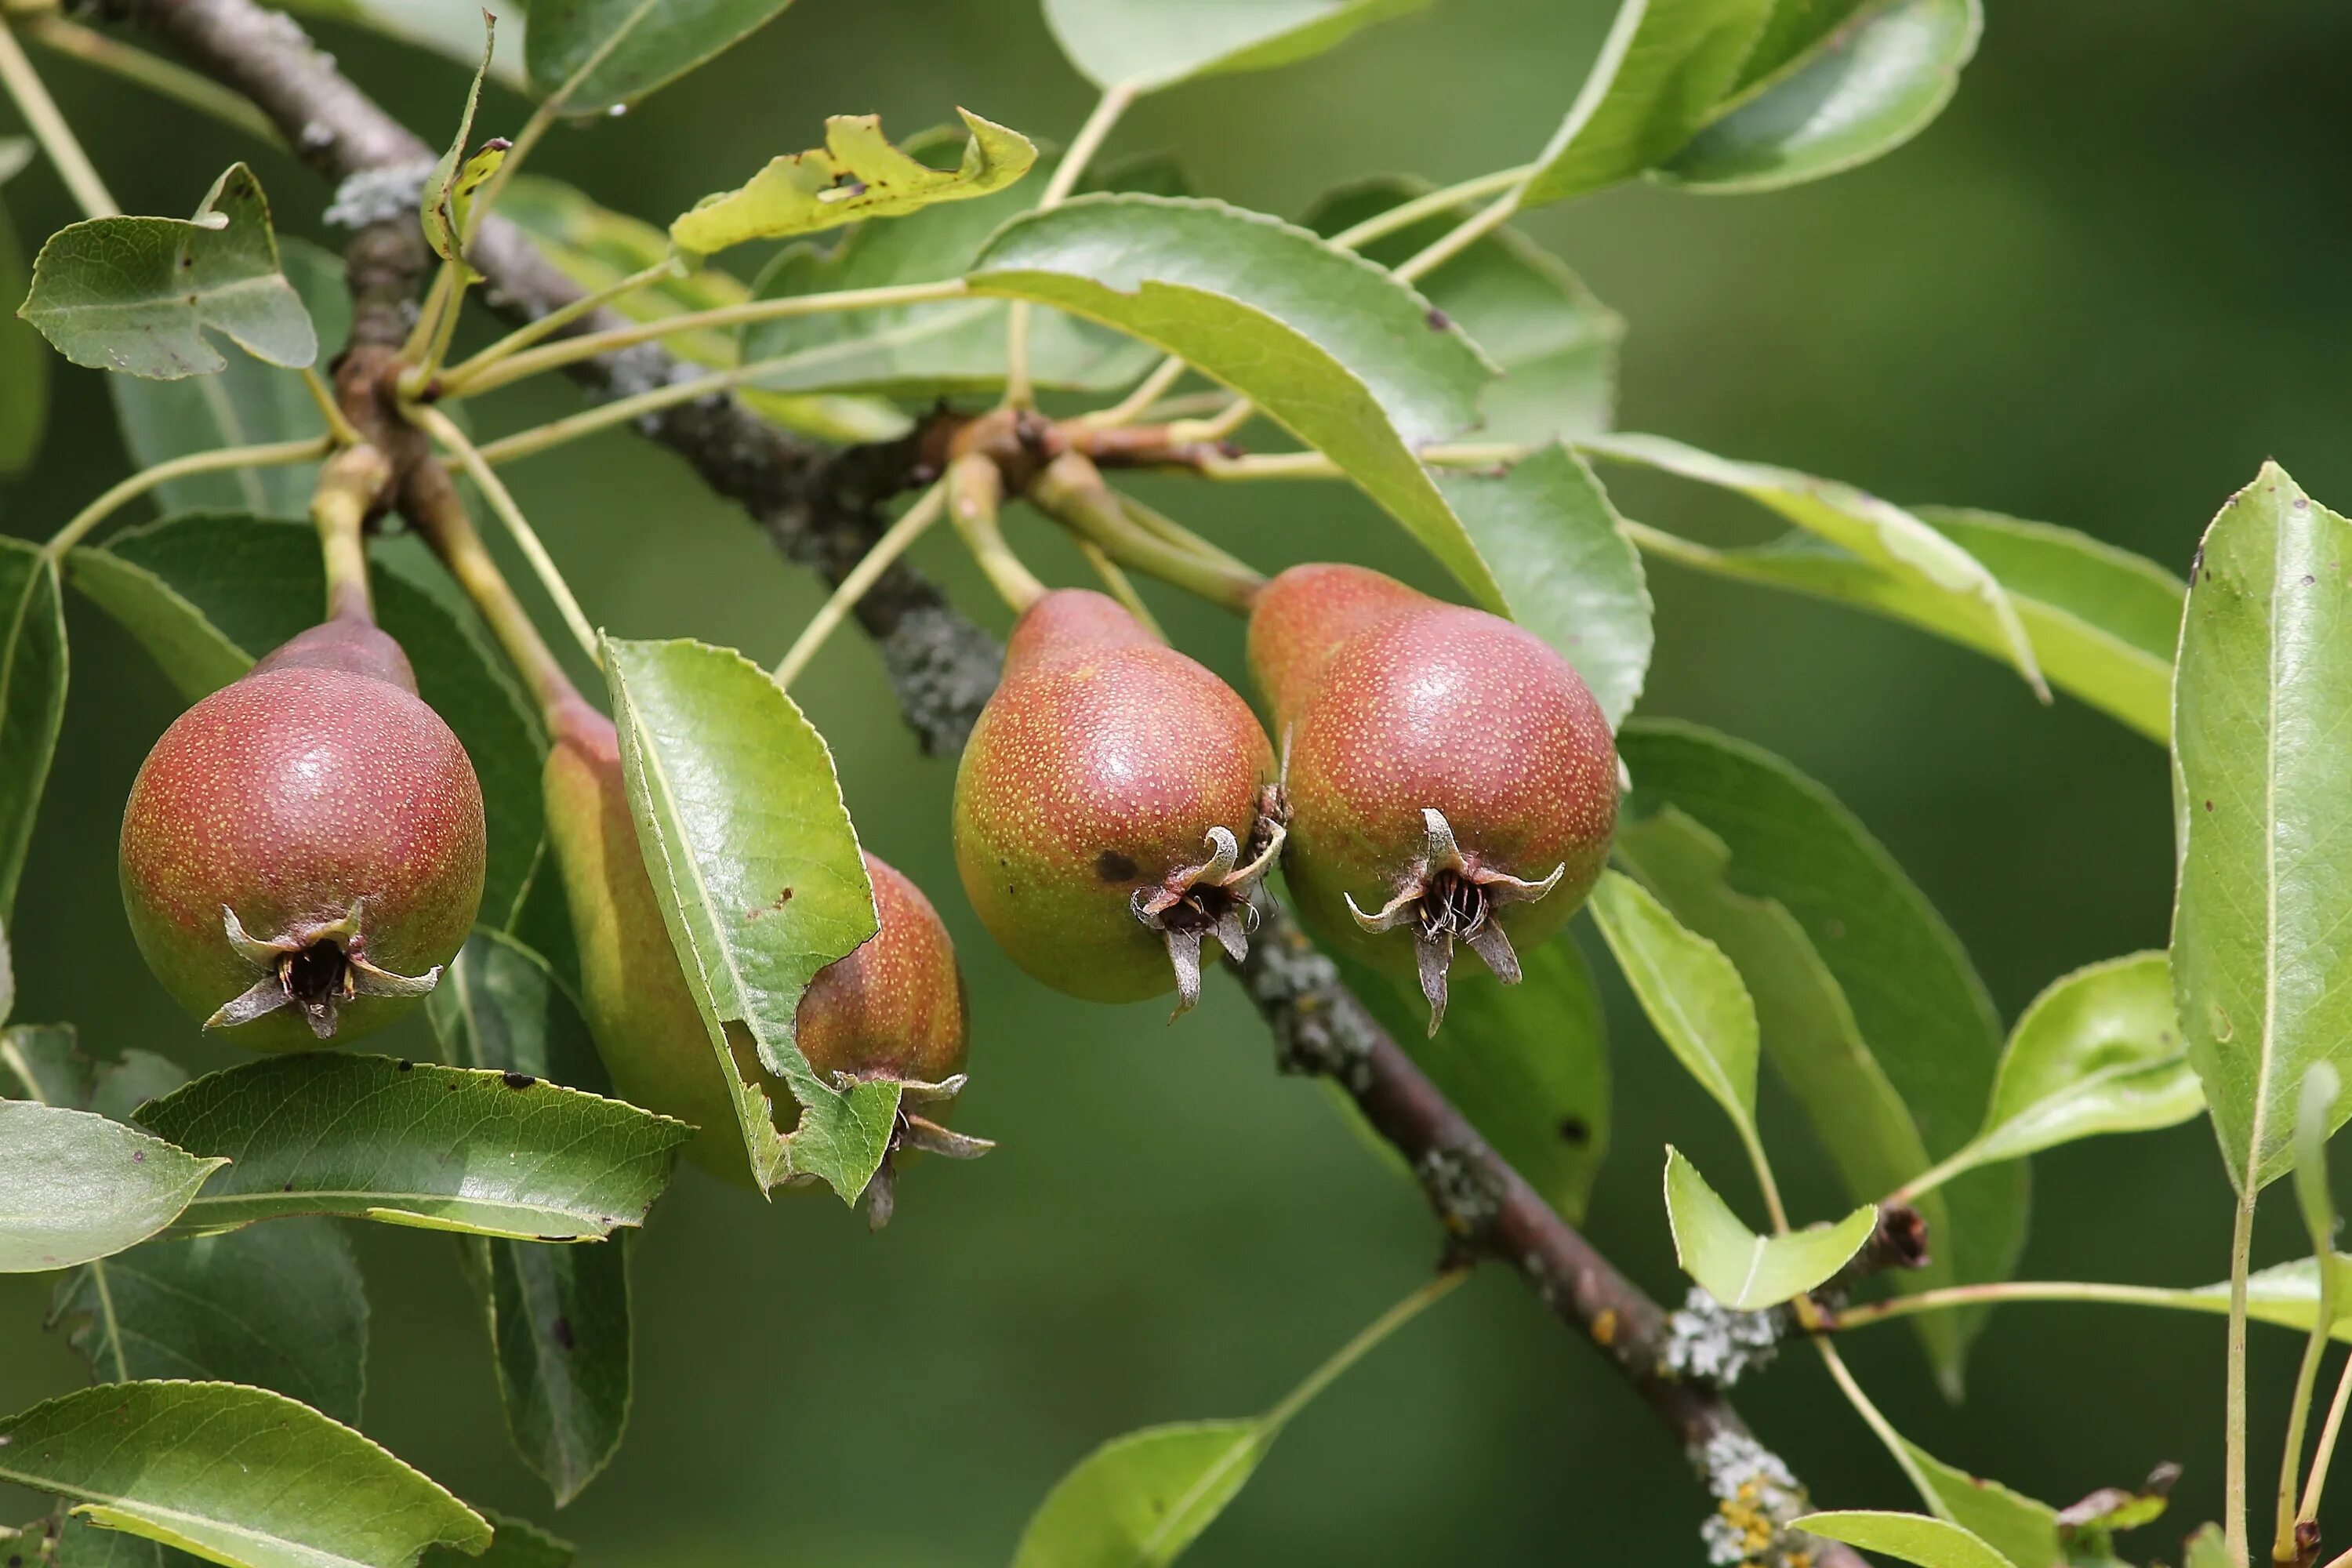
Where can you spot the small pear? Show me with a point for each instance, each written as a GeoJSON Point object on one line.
{"type": "Point", "coordinates": [1111, 806]}
{"type": "Point", "coordinates": [1449, 776]}
{"type": "Point", "coordinates": [303, 851]}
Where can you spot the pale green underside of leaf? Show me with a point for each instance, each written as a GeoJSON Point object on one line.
{"type": "Point", "coordinates": [1528, 1064]}
{"type": "Point", "coordinates": [206, 595]}
{"type": "Point", "coordinates": [2023, 1531]}
{"type": "Point", "coordinates": [1692, 992]}
{"type": "Point", "coordinates": [238, 1476]}
{"type": "Point", "coordinates": [1870, 1010]}
{"type": "Point", "coordinates": [2097, 1052]}
{"type": "Point", "coordinates": [247, 404]}
{"type": "Point", "coordinates": [1330, 346]}
{"type": "Point", "coordinates": [756, 869]}
{"type": "Point", "coordinates": [2262, 976]}
{"type": "Point", "coordinates": [137, 294]}
{"type": "Point", "coordinates": [1745, 1271]}
{"type": "Point", "coordinates": [651, 42]}
{"type": "Point", "coordinates": [1145, 44]}
{"type": "Point", "coordinates": [412, 1143]}
{"type": "Point", "coordinates": [1877, 531]}
{"type": "Point", "coordinates": [33, 668]}
{"type": "Point", "coordinates": [1139, 1499]}
{"type": "Point", "coordinates": [1869, 87]}
{"type": "Point", "coordinates": [75, 1186]}
{"type": "Point", "coordinates": [1664, 68]}
{"type": "Point", "coordinates": [1907, 1537]}
{"type": "Point", "coordinates": [2103, 621]}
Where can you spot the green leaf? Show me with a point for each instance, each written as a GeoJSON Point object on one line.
{"type": "Point", "coordinates": [1139, 1499]}
{"type": "Point", "coordinates": [237, 1475]}
{"type": "Point", "coordinates": [1662, 69]}
{"type": "Point", "coordinates": [1870, 87]}
{"type": "Point", "coordinates": [1528, 1064]}
{"type": "Point", "coordinates": [1548, 530]}
{"type": "Point", "coordinates": [2012, 1524]}
{"type": "Point", "coordinates": [559, 1316]}
{"type": "Point", "coordinates": [1692, 992]}
{"type": "Point", "coordinates": [41, 1062]}
{"type": "Point", "coordinates": [596, 247]}
{"type": "Point", "coordinates": [2263, 822]}
{"type": "Point", "coordinates": [207, 595]}
{"type": "Point", "coordinates": [857, 176]}
{"type": "Point", "coordinates": [1554, 342]}
{"type": "Point", "coordinates": [359, 1137]}
{"type": "Point", "coordinates": [1878, 532]}
{"type": "Point", "coordinates": [276, 1306]}
{"type": "Point", "coordinates": [1145, 44]}
{"type": "Point", "coordinates": [1330, 346]}
{"type": "Point", "coordinates": [75, 1186]}
{"type": "Point", "coordinates": [448, 190]}
{"type": "Point", "coordinates": [1870, 1010]}
{"type": "Point", "coordinates": [1745, 1271]}
{"type": "Point", "coordinates": [1908, 1537]}
{"type": "Point", "coordinates": [925, 352]}
{"type": "Point", "coordinates": [136, 294]}
{"type": "Point", "coordinates": [518, 1544]}
{"type": "Point", "coordinates": [24, 362]}
{"type": "Point", "coordinates": [2209, 1548]}
{"type": "Point", "coordinates": [247, 404]}
{"type": "Point", "coordinates": [32, 699]}
{"type": "Point", "coordinates": [756, 867]}
{"type": "Point", "coordinates": [643, 43]}
{"type": "Point", "coordinates": [2286, 1294]}
{"type": "Point", "coordinates": [2103, 621]}
{"type": "Point", "coordinates": [2096, 1052]}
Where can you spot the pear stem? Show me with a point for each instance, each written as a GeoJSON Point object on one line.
{"type": "Point", "coordinates": [433, 505]}
{"type": "Point", "coordinates": [975, 493]}
{"type": "Point", "coordinates": [1071, 490]}
{"type": "Point", "coordinates": [349, 485]}
{"type": "Point", "coordinates": [273, 454]}
{"type": "Point", "coordinates": [1120, 586]}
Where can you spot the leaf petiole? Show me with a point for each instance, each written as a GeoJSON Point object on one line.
{"type": "Point", "coordinates": [911, 525]}
{"type": "Point", "coordinates": [524, 336]}
{"type": "Point", "coordinates": [270, 454]}
{"type": "Point", "coordinates": [152, 72]}
{"type": "Point", "coordinates": [1018, 392]}
{"type": "Point", "coordinates": [48, 124]}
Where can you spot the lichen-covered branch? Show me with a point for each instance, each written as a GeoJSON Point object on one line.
{"type": "Point", "coordinates": [823, 508]}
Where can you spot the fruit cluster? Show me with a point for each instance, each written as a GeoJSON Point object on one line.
{"type": "Point", "coordinates": [302, 852]}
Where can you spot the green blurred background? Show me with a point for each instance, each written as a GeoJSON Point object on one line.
{"type": "Point", "coordinates": [2099, 292]}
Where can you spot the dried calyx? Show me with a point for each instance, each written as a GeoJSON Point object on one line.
{"type": "Point", "coordinates": [313, 968]}
{"type": "Point", "coordinates": [1447, 895]}
{"type": "Point", "coordinates": [1214, 899]}
{"type": "Point", "coordinates": [914, 1133]}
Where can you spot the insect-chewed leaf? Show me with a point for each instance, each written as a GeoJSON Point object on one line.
{"type": "Point", "coordinates": [279, 1307]}
{"type": "Point", "coordinates": [1328, 345]}
{"type": "Point", "coordinates": [858, 175]}
{"type": "Point", "coordinates": [2264, 824]}
{"type": "Point", "coordinates": [1907, 1537]}
{"type": "Point", "coordinates": [628, 47]}
{"type": "Point", "coordinates": [448, 190]}
{"type": "Point", "coordinates": [1692, 992]}
{"type": "Point", "coordinates": [1877, 530]}
{"type": "Point", "coordinates": [1870, 1010]}
{"type": "Point", "coordinates": [137, 294]}
{"type": "Point", "coordinates": [239, 1475]}
{"type": "Point", "coordinates": [208, 593]}
{"type": "Point", "coordinates": [32, 699]}
{"type": "Point", "coordinates": [75, 1186]}
{"type": "Point", "coordinates": [485, 1154]}
{"type": "Point", "coordinates": [1143, 45]}
{"type": "Point", "coordinates": [1836, 88]}
{"type": "Point", "coordinates": [1745, 1271]}
{"type": "Point", "coordinates": [2103, 621]}
{"type": "Point", "coordinates": [756, 867]}
{"type": "Point", "coordinates": [1662, 71]}
{"type": "Point", "coordinates": [559, 1316]}
{"type": "Point", "coordinates": [246, 404]}
{"type": "Point", "coordinates": [1528, 1064]}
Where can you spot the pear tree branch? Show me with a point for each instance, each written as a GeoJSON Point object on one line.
{"type": "Point", "coordinates": [824, 509]}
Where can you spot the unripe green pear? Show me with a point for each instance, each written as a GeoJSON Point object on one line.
{"type": "Point", "coordinates": [1448, 775]}
{"type": "Point", "coordinates": [894, 1008]}
{"type": "Point", "coordinates": [1106, 803]}
{"type": "Point", "coordinates": [302, 850]}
